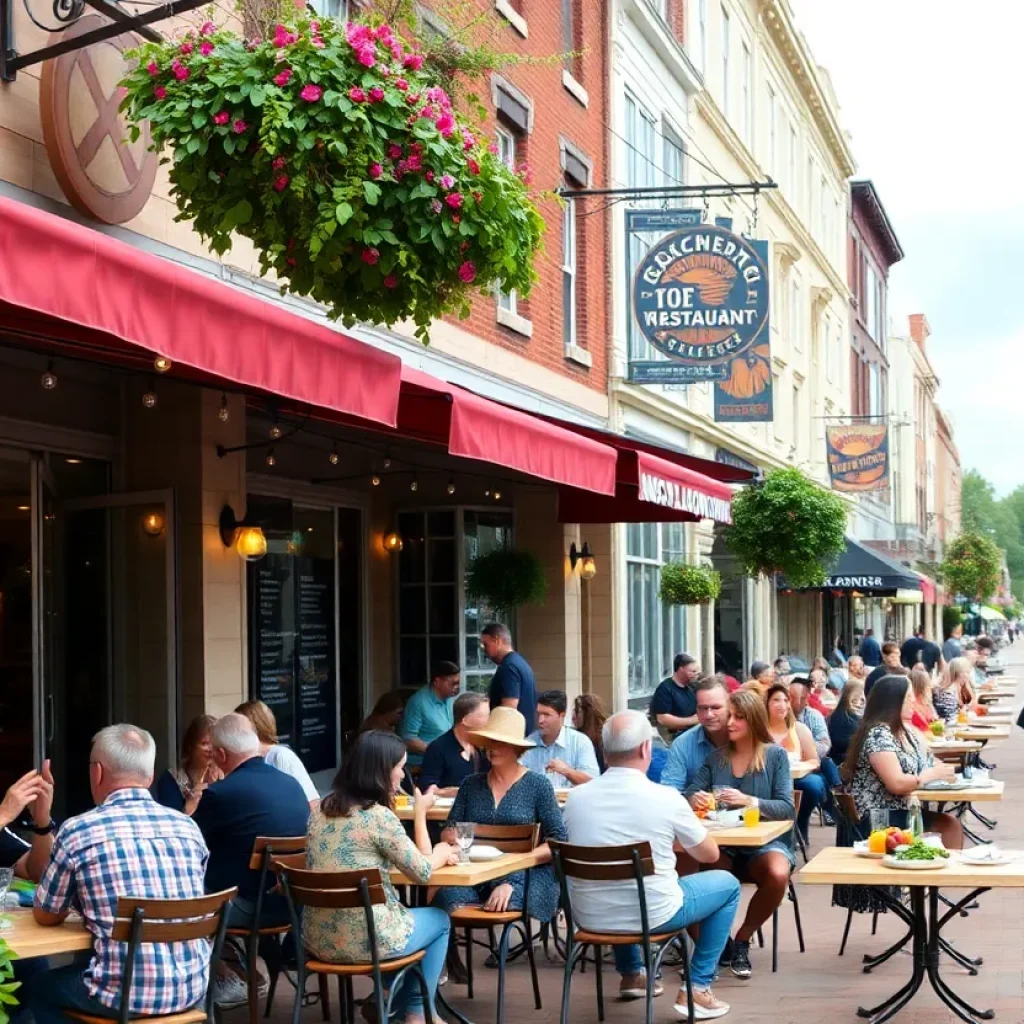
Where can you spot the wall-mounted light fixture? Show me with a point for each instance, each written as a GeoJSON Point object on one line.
{"type": "Point", "coordinates": [585, 558]}
{"type": "Point", "coordinates": [392, 543]}
{"type": "Point", "coordinates": [246, 538]}
{"type": "Point", "coordinates": [153, 524]}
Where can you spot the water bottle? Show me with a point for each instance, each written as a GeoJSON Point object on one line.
{"type": "Point", "coordinates": [915, 818]}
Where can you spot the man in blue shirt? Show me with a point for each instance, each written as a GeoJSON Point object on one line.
{"type": "Point", "coordinates": [429, 711]}
{"type": "Point", "coordinates": [691, 750]}
{"type": "Point", "coordinates": [870, 650]}
{"type": "Point", "coordinates": [513, 684]}
{"type": "Point", "coordinates": [567, 756]}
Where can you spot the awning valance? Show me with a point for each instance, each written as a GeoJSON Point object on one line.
{"type": "Point", "coordinates": [62, 284]}
{"type": "Point", "coordinates": [866, 571]}
{"type": "Point", "coordinates": [927, 587]}
{"type": "Point", "coordinates": [472, 427]}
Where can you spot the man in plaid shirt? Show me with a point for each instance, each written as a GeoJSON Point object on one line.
{"type": "Point", "coordinates": [128, 845]}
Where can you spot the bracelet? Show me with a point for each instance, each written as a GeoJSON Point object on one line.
{"type": "Point", "coordinates": [44, 830]}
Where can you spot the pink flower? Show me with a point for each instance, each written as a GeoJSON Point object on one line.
{"type": "Point", "coordinates": [435, 205]}
{"type": "Point", "coordinates": [415, 162]}
{"type": "Point", "coordinates": [383, 31]}
{"type": "Point", "coordinates": [282, 37]}
{"type": "Point", "coordinates": [186, 48]}
{"type": "Point", "coordinates": [445, 124]}
{"type": "Point", "coordinates": [376, 171]}
{"type": "Point", "coordinates": [252, 44]}
{"type": "Point", "coordinates": [357, 34]}
{"type": "Point", "coordinates": [282, 78]}
{"type": "Point", "coordinates": [474, 167]}
{"type": "Point", "coordinates": [396, 51]}
{"type": "Point", "coordinates": [311, 93]}
{"type": "Point", "coordinates": [478, 196]}
{"type": "Point", "coordinates": [239, 127]}
{"type": "Point", "coordinates": [412, 99]}
{"type": "Point", "coordinates": [493, 148]}
{"type": "Point", "coordinates": [318, 42]}
{"type": "Point", "coordinates": [356, 95]}
{"type": "Point", "coordinates": [413, 61]}
{"type": "Point", "coordinates": [401, 84]}
{"type": "Point", "coordinates": [222, 118]}
{"type": "Point", "coordinates": [367, 56]}
{"type": "Point", "coordinates": [454, 200]}
{"type": "Point", "coordinates": [206, 47]}
{"type": "Point", "coordinates": [207, 28]}
{"type": "Point", "coordinates": [280, 182]}
{"type": "Point", "coordinates": [456, 218]}
{"type": "Point", "coordinates": [447, 181]}
{"type": "Point", "coordinates": [152, 68]}
{"type": "Point", "coordinates": [376, 94]}
{"type": "Point", "coordinates": [395, 151]}
{"type": "Point", "coordinates": [429, 176]}
{"type": "Point", "coordinates": [370, 256]}
{"type": "Point", "coordinates": [314, 27]}
{"type": "Point", "coordinates": [391, 281]}
{"type": "Point", "coordinates": [180, 72]}
{"type": "Point", "coordinates": [385, 71]}
{"type": "Point", "coordinates": [278, 163]}
{"type": "Point", "coordinates": [467, 272]}
{"type": "Point", "coordinates": [160, 92]}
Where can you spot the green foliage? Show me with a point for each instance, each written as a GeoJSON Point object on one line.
{"type": "Point", "coordinates": [506, 578]}
{"type": "Point", "coordinates": [951, 618]}
{"type": "Point", "coordinates": [972, 566]}
{"type": "Point", "coordinates": [689, 584]}
{"type": "Point", "coordinates": [787, 524]}
{"type": "Point", "coordinates": [335, 149]}
{"type": "Point", "coordinates": [1002, 519]}
{"type": "Point", "coordinates": [1013, 609]}
{"type": "Point", "coordinates": [7, 985]}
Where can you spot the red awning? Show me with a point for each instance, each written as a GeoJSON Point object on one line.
{"type": "Point", "coordinates": [472, 427]}
{"type": "Point", "coordinates": [651, 490]}
{"type": "Point", "coordinates": [927, 587]}
{"type": "Point", "coordinates": [64, 282]}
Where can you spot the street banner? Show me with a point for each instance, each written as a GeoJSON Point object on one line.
{"type": "Point", "coordinates": [858, 456]}
{"type": "Point", "coordinates": [700, 310]}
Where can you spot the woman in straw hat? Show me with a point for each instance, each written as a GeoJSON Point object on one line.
{"type": "Point", "coordinates": [508, 794]}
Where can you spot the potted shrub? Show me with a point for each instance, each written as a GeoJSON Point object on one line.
{"type": "Point", "coordinates": [689, 584]}
{"type": "Point", "coordinates": [506, 578]}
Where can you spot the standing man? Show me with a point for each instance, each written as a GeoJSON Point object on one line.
{"type": "Point", "coordinates": [566, 755]}
{"type": "Point", "coordinates": [429, 711]}
{"type": "Point", "coordinates": [763, 674]}
{"type": "Point", "coordinates": [953, 648]}
{"type": "Point", "coordinates": [674, 705]}
{"type": "Point", "coordinates": [890, 661]}
{"type": "Point", "coordinates": [869, 649]}
{"type": "Point", "coordinates": [691, 749]}
{"type": "Point", "coordinates": [912, 649]}
{"type": "Point", "coordinates": [513, 684]}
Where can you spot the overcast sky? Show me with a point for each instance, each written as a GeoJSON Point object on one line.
{"type": "Point", "coordinates": [930, 92]}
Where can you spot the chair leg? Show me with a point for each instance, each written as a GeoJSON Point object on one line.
{"type": "Point", "coordinates": [429, 1011]}
{"type": "Point", "coordinates": [652, 980]}
{"type": "Point", "coordinates": [251, 952]}
{"type": "Point", "coordinates": [350, 1002]}
{"type": "Point", "coordinates": [533, 961]}
{"type": "Point", "coordinates": [343, 1016]}
{"type": "Point", "coordinates": [570, 953]}
{"type": "Point", "coordinates": [325, 996]}
{"type": "Point", "coordinates": [274, 975]}
{"type": "Point", "coordinates": [760, 938]}
{"type": "Point", "coordinates": [874, 922]}
{"type": "Point", "coordinates": [598, 956]}
{"type": "Point", "coordinates": [506, 932]}
{"type": "Point", "coordinates": [775, 940]}
{"type": "Point", "coordinates": [846, 931]}
{"type": "Point", "coordinates": [300, 985]}
{"type": "Point", "coordinates": [469, 963]}
{"type": "Point", "coordinates": [796, 916]}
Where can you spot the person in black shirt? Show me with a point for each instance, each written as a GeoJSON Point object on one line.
{"type": "Point", "coordinates": [910, 652]}
{"type": "Point", "coordinates": [674, 704]}
{"type": "Point", "coordinates": [34, 792]}
{"type": "Point", "coordinates": [451, 757]}
{"type": "Point", "coordinates": [890, 661]}
{"type": "Point", "coordinates": [512, 684]}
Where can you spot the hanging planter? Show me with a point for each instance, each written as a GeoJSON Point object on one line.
{"type": "Point", "coordinates": [506, 578]}
{"type": "Point", "coordinates": [972, 566]}
{"type": "Point", "coordinates": [787, 524]}
{"type": "Point", "coordinates": [689, 584]}
{"type": "Point", "coordinates": [335, 148]}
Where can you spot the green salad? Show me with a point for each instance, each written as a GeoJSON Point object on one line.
{"type": "Point", "coordinates": [919, 850]}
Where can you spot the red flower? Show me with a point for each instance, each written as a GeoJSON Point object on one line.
{"type": "Point", "coordinates": [207, 28]}
{"type": "Point", "coordinates": [152, 68]}
{"type": "Point", "coordinates": [391, 281]}
{"type": "Point", "coordinates": [180, 72]}
{"type": "Point", "coordinates": [370, 256]}
{"type": "Point", "coordinates": [206, 47]}
{"type": "Point", "coordinates": [474, 167]}
{"type": "Point", "coordinates": [356, 95]}
{"type": "Point", "coordinates": [376, 171]}
{"type": "Point", "coordinates": [467, 272]}
{"type": "Point", "coordinates": [478, 196]}
{"type": "Point", "coordinates": [454, 200]}
{"type": "Point", "coordinates": [395, 151]}
{"type": "Point", "coordinates": [281, 183]}
{"type": "Point", "coordinates": [222, 118]}
{"type": "Point", "coordinates": [401, 84]}
{"type": "Point", "coordinates": [160, 92]}
{"type": "Point", "coordinates": [413, 61]}
{"type": "Point", "coordinates": [456, 219]}
{"type": "Point", "coordinates": [239, 127]}
{"type": "Point", "coordinates": [186, 48]}
{"type": "Point", "coordinates": [291, 261]}
{"type": "Point", "coordinates": [282, 78]}
{"type": "Point", "coordinates": [376, 94]}
{"type": "Point", "coordinates": [278, 163]}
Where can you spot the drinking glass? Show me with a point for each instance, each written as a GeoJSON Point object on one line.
{"type": "Point", "coordinates": [6, 877]}
{"type": "Point", "coordinates": [879, 819]}
{"type": "Point", "coordinates": [716, 792]}
{"type": "Point", "coordinates": [464, 838]}
{"type": "Point", "coordinates": [751, 816]}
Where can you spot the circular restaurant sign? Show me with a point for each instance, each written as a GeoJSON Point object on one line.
{"type": "Point", "coordinates": [101, 172]}
{"type": "Point", "coordinates": [700, 296]}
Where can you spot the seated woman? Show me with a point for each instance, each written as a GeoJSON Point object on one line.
{"type": "Point", "coordinates": [843, 722]}
{"type": "Point", "coordinates": [508, 794]}
{"type": "Point", "coordinates": [954, 690]}
{"type": "Point", "coordinates": [386, 714]}
{"type": "Point", "coordinates": [924, 710]}
{"type": "Point", "coordinates": [887, 761]}
{"type": "Point", "coordinates": [754, 772]}
{"type": "Point", "coordinates": [589, 716]}
{"type": "Point", "coordinates": [356, 827]}
{"type": "Point", "coordinates": [795, 738]}
{"type": "Point", "coordinates": [276, 754]}
{"type": "Point", "coordinates": [180, 788]}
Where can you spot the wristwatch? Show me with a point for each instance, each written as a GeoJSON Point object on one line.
{"type": "Point", "coordinates": [44, 830]}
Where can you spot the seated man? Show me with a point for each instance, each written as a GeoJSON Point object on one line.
{"type": "Point", "coordinates": [253, 799]}
{"type": "Point", "coordinates": [624, 806]}
{"type": "Point", "coordinates": [691, 750]}
{"type": "Point", "coordinates": [451, 757]}
{"type": "Point", "coordinates": [33, 790]}
{"type": "Point", "coordinates": [567, 756]}
{"type": "Point", "coordinates": [429, 711]}
{"type": "Point", "coordinates": [126, 845]}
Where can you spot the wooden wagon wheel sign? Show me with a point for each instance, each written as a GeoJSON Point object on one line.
{"type": "Point", "coordinates": [101, 172]}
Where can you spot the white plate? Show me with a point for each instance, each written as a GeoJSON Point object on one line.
{"type": "Point", "coordinates": [724, 819]}
{"type": "Point", "coordinates": [861, 850]}
{"type": "Point", "coordinates": [484, 853]}
{"type": "Point", "coordinates": [445, 801]}
{"type": "Point", "coordinates": [976, 861]}
{"type": "Point", "coordinates": [914, 865]}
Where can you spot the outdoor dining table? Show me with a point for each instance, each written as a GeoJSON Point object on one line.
{"type": "Point", "coordinates": [801, 769]}
{"type": "Point", "coordinates": [982, 731]}
{"type": "Point", "coordinates": [841, 866]}
{"type": "Point", "coordinates": [28, 938]}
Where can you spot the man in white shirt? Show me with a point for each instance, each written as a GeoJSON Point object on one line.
{"type": "Point", "coordinates": [624, 806]}
{"type": "Point", "coordinates": [565, 754]}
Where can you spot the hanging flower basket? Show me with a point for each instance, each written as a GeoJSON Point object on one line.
{"type": "Point", "coordinates": [689, 584]}
{"type": "Point", "coordinates": [335, 150]}
{"type": "Point", "coordinates": [506, 578]}
{"type": "Point", "coordinates": [972, 566]}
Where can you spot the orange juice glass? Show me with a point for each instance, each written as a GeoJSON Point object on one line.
{"type": "Point", "coordinates": [751, 816]}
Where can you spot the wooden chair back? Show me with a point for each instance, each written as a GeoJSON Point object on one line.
{"type": "Point", "coordinates": [605, 863]}
{"type": "Point", "coordinates": [509, 838]}
{"type": "Point", "coordinates": [336, 890]}
{"type": "Point", "coordinates": [158, 920]}
{"type": "Point", "coordinates": [270, 846]}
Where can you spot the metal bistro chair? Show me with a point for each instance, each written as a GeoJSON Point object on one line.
{"type": "Point", "coordinates": [346, 890]}
{"type": "Point", "coordinates": [614, 864]}
{"type": "Point", "coordinates": [142, 921]}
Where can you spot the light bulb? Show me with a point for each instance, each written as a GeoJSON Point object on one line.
{"type": "Point", "coordinates": [333, 457]}
{"type": "Point", "coordinates": [387, 463]}
{"type": "Point", "coordinates": [451, 487]}
{"type": "Point", "coordinates": [375, 480]}
{"type": "Point", "coordinates": [414, 486]}
{"type": "Point", "coordinates": [275, 433]}
{"type": "Point", "coordinates": [270, 458]}
{"type": "Point", "coordinates": [487, 493]}
{"type": "Point", "coordinates": [222, 413]}
{"type": "Point", "coordinates": [149, 399]}
{"type": "Point", "coordinates": [497, 495]}
{"type": "Point", "coordinates": [161, 364]}
{"type": "Point", "coordinates": [49, 378]}
{"type": "Point", "coordinates": [392, 542]}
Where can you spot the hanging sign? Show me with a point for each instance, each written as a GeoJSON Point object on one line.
{"type": "Point", "coordinates": [858, 456]}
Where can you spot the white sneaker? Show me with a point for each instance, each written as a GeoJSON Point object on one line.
{"type": "Point", "coordinates": [230, 991]}
{"type": "Point", "coordinates": [705, 1005]}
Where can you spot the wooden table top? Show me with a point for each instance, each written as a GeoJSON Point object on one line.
{"type": "Point", "coordinates": [801, 769]}
{"type": "Point", "coordinates": [955, 747]}
{"type": "Point", "coordinates": [761, 833]}
{"type": "Point", "coordinates": [444, 813]}
{"type": "Point", "coordinates": [841, 866]}
{"type": "Point", "coordinates": [998, 714]}
{"type": "Point", "coordinates": [997, 731]}
{"type": "Point", "coordinates": [985, 794]}
{"type": "Point", "coordinates": [28, 938]}
{"type": "Point", "coordinates": [475, 872]}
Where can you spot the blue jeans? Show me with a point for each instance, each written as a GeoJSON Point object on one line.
{"type": "Point", "coordinates": [815, 793]}
{"type": "Point", "coordinates": [430, 932]}
{"type": "Point", "coordinates": [710, 898]}
{"type": "Point", "coordinates": [830, 773]}
{"type": "Point", "coordinates": [48, 994]}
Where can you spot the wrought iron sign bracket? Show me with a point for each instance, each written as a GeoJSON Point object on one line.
{"type": "Point", "coordinates": [67, 12]}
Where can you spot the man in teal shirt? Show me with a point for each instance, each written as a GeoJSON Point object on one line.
{"type": "Point", "coordinates": [429, 711]}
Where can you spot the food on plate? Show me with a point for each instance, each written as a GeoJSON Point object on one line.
{"type": "Point", "coordinates": [938, 727]}
{"type": "Point", "coordinates": [981, 710]}
{"type": "Point", "coordinates": [877, 841]}
{"type": "Point", "coordinates": [919, 850]}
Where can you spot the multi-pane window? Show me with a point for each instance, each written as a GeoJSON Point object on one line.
{"type": "Point", "coordinates": [772, 125]}
{"type": "Point", "coordinates": [871, 311]}
{"type": "Point", "coordinates": [793, 183]}
{"type": "Point", "coordinates": [748, 95]}
{"type": "Point", "coordinates": [795, 318]}
{"type": "Point", "coordinates": [482, 533]}
{"type": "Point", "coordinates": [569, 277]}
{"type": "Point", "coordinates": [657, 632]}
{"type": "Point", "coordinates": [826, 344]}
{"type": "Point", "coordinates": [641, 172]}
{"type": "Point", "coordinates": [337, 9]}
{"type": "Point", "coordinates": [673, 158]}
{"type": "Point", "coordinates": [506, 143]}
{"type": "Point", "coordinates": [797, 431]}
{"type": "Point", "coordinates": [726, 46]}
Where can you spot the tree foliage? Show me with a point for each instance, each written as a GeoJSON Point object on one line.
{"type": "Point", "coordinates": [972, 565]}
{"type": "Point", "coordinates": [689, 584]}
{"type": "Point", "coordinates": [1002, 519]}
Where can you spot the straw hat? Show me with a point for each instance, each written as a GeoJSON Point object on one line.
{"type": "Point", "coordinates": [504, 725]}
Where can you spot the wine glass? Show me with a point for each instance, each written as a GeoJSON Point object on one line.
{"type": "Point", "coordinates": [464, 838]}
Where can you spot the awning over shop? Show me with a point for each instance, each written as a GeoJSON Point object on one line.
{"type": "Point", "coordinates": [472, 427]}
{"type": "Point", "coordinates": [65, 285]}
{"type": "Point", "coordinates": [988, 614]}
{"type": "Point", "coordinates": [927, 587]}
{"type": "Point", "coordinates": [868, 572]}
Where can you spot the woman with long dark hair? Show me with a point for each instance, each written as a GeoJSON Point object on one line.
{"type": "Point", "coordinates": [356, 827]}
{"type": "Point", "coordinates": [588, 716]}
{"type": "Point", "coordinates": [844, 721]}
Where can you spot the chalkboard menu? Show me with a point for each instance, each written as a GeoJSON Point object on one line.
{"type": "Point", "coordinates": [293, 649]}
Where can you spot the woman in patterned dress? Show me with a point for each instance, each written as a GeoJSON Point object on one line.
{"type": "Point", "coordinates": [356, 827]}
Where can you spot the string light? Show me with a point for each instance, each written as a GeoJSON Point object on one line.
{"type": "Point", "coordinates": [415, 485]}
{"type": "Point", "coordinates": [487, 493]}
{"type": "Point", "coordinates": [275, 433]}
{"type": "Point", "coordinates": [451, 487]}
{"type": "Point", "coordinates": [222, 413]}
{"type": "Point", "coordinates": [161, 364]}
{"type": "Point", "coordinates": [333, 457]}
{"type": "Point", "coordinates": [270, 458]}
{"type": "Point", "coordinates": [49, 379]}
{"type": "Point", "coordinates": [497, 495]}
{"type": "Point", "coordinates": [387, 463]}
{"type": "Point", "coordinates": [375, 480]}
{"type": "Point", "coordinates": [149, 397]}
